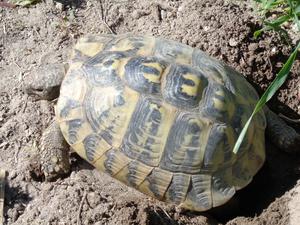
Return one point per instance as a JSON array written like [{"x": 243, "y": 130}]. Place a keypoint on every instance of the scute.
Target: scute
[
  {"x": 183, "y": 86},
  {"x": 186, "y": 143},
  {"x": 134, "y": 173},
  {"x": 133, "y": 45},
  {"x": 146, "y": 135},
  {"x": 161, "y": 117},
  {"x": 91, "y": 145},
  {"x": 101, "y": 70},
  {"x": 178, "y": 188},
  {"x": 173, "y": 51},
  {"x": 143, "y": 74},
  {"x": 156, "y": 183},
  {"x": 199, "y": 193},
  {"x": 221, "y": 186},
  {"x": 218, "y": 149}
]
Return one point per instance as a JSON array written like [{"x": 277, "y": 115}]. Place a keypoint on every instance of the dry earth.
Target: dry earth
[{"x": 43, "y": 33}]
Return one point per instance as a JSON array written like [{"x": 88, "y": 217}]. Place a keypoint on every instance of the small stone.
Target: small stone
[
  {"x": 135, "y": 14},
  {"x": 47, "y": 187},
  {"x": 273, "y": 50},
  {"x": 59, "y": 6},
  {"x": 23, "y": 11},
  {"x": 89, "y": 4},
  {"x": 45, "y": 106},
  {"x": 180, "y": 8},
  {"x": 206, "y": 28},
  {"x": 233, "y": 42},
  {"x": 54, "y": 159},
  {"x": 13, "y": 174},
  {"x": 57, "y": 169},
  {"x": 163, "y": 14},
  {"x": 252, "y": 47}
]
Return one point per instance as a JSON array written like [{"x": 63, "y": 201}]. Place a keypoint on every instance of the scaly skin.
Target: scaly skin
[
  {"x": 54, "y": 154},
  {"x": 282, "y": 135},
  {"x": 44, "y": 82}
]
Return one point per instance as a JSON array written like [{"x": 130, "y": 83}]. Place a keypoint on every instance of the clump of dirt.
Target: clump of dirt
[{"x": 43, "y": 33}]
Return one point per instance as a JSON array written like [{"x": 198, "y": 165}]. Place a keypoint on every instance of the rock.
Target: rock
[{"x": 233, "y": 42}]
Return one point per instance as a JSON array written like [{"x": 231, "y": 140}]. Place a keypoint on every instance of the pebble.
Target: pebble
[
  {"x": 59, "y": 6},
  {"x": 252, "y": 47},
  {"x": 136, "y": 14},
  {"x": 273, "y": 50},
  {"x": 163, "y": 14},
  {"x": 233, "y": 42},
  {"x": 23, "y": 11},
  {"x": 206, "y": 28},
  {"x": 89, "y": 4}
]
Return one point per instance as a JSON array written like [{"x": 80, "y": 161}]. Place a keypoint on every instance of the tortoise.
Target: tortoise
[{"x": 159, "y": 116}]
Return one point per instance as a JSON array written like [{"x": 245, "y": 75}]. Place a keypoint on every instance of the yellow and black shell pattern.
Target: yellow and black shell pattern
[{"x": 161, "y": 117}]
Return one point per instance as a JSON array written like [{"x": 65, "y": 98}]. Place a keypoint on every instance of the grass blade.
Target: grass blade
[
  {"x": 297, "y": 9},
  {"x": 295, "y": 15},
  {"x": 279, "y": 21},
  {"x": 275, "y": 85},
  {"x": 258, "y": 32}
]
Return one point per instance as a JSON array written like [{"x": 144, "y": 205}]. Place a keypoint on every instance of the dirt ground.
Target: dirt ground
[{"x": 44, "y": 32}]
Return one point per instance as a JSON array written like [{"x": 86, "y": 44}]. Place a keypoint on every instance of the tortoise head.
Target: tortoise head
[{"x": 44, "y": 82}]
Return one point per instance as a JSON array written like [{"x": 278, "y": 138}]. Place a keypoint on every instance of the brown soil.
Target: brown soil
[{"x": 43, "y": 32}]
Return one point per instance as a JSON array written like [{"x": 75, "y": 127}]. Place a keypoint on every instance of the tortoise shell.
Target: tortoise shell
[{"x": 161, "y": 117}]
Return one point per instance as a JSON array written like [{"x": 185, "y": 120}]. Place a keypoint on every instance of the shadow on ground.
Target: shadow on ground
[{"x": 278, "y": 175}]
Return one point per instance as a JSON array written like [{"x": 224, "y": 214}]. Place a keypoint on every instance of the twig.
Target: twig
[
  {"x": 108, "y": 27},
  {"x": 7, "y": 5},
  {"x": 169, "y": 217},
  {"x": 20, "y": 76},
  {"x": 159, "y": 216},
  {"x": 16, "y": 157},
  {"x": 38, "y": 34},
  {"x": 3, "y": 144},
  {"x": 103, "y": 17},
  {"x": 4, "y": 29},
  {"x": 171, "y": 220},
  {"x": 2, "y": 193},
  {"x": 22, "y": 73},
  {"x": 25, "y": 104},
  {"x": 270, "y": 63},
  {"x": 80, "y": 208},
  {"x": 35, "y": 186}
]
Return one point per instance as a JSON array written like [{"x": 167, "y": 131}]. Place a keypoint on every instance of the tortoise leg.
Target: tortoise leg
[
  {"x": 53, "y": 152},
  {"x": 44, "y": 82},
  {"x": 282, "y": 135}
]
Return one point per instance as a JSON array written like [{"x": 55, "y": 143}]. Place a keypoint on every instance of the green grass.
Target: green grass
[
  {"x": 286, "y": 11},
  {"x": 268, "y": 94}
]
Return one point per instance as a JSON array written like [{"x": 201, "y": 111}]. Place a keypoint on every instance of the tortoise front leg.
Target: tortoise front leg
[
  {"x": 282, "y": 135},
  {"x": 44, "y": 82},
  {"x": 53, "y": 152}
]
